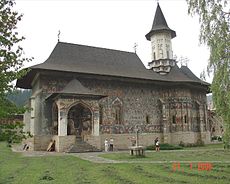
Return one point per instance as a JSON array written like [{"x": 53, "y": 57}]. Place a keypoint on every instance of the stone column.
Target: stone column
[
  {"x": 165, "y": 122},
  {"x": 32, "y": 115},
  {"x": 189, "y": 112},
  {"x": 201, "y": 114},
  {"x": 62, "y": 123},
  {"x": 62, "y": 120},
  {"x": 205, "y": 117},
  {"x": 96, "y": 125}
]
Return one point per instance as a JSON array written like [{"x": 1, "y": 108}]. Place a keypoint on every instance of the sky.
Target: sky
[{"x": 108, "y": 24}]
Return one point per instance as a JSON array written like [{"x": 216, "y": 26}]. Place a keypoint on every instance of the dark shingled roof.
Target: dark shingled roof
[
  {"x": 83, "y": 59},
  {"x": 159, "y": 24},
  {"x": 74, "y": 87}
]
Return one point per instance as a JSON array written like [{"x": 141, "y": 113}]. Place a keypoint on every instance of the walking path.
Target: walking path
[{"x": 95, "y": 156}]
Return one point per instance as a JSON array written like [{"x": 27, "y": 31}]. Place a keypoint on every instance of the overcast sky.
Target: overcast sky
[{"x": 108, "y": 24}]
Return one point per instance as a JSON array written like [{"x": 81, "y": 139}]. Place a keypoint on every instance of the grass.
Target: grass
[
  {"x": 207, "y": 146},
  {"x": 199, "y": 155},
  {"x": 16, "y": 169},
  {"x": 204, "y": 153}
]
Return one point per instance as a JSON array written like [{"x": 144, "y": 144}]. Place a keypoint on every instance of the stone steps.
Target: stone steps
[{"x": 81, "y": 146}]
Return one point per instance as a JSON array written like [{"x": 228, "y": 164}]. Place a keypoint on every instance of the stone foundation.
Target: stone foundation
[
  {"x": 63, "y": 143},
  {"x": 121, "y": 141},
  {"x": 41, "y": 142}
]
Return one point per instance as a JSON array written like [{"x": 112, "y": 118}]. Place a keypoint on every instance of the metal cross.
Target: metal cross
[
  {"x": 135, "y": 47},
  {"x": 59, "y": 32}
]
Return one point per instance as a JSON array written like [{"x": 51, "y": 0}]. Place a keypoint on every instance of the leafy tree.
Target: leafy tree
[
  {"x": 214, "y": 17},
  {"x": 13, "y": 133},
  {"x": 11, "y": 53},
  {"x": 7, "y": 108},
  {"x": 11, "y": 62}
]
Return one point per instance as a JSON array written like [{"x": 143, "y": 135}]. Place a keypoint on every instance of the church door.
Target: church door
[{"x": 79, "y": 121}]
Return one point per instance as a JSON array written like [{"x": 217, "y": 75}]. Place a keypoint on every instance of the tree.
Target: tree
[
  {"x": 8, "y": 108},
  {"x": 11, "y": 53},
  {"x": 11, "y": 62},
  {"x": 214, "y": 17}
]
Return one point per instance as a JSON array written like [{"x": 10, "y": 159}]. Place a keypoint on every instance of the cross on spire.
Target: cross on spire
[
  {"x": 135, "y": 47},
  {"x": 59, "y": 32}
]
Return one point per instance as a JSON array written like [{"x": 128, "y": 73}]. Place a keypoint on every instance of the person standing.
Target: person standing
[
  {"x": 157, "y": 144},
  {"x": 106, "y": 145}
]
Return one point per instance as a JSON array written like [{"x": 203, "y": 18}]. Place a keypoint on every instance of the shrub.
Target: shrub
[
  {"x": 198, "y": 143},
  {"x": 216, "y": 138},
  {"x": 165, "y": 146},
  {"x": 13, "y": 133},
  {"x": 182, "y": 144}
]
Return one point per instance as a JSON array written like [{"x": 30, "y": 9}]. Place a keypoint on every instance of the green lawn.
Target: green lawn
[
  {"x": 207, "y": 153},
  {"x": 15, "y": 168}
]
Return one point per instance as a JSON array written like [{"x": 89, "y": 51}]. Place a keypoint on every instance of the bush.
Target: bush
[
  {"x": 220, "y": 139},
  {"x": 216, "y": 138},
  {"x": 13, "y": 133},
  {"x": 198, "y": 143},
  {"x": 165, "y": 146}
]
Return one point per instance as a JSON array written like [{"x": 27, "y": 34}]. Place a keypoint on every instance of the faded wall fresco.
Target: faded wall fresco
[{"x": 131, "y": 106}]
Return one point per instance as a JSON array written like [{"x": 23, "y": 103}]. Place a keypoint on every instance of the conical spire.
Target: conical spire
[{"x": 159, "y": 24}]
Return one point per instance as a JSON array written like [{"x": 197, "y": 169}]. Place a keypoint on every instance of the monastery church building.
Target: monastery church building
[{"x": 90, "y": 93}]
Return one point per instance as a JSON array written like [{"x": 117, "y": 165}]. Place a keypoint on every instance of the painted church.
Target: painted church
[{"x": 89, "y": 94}]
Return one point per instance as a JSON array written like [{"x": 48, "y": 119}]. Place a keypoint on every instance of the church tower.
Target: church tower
[{"x": 160, "y": 36}]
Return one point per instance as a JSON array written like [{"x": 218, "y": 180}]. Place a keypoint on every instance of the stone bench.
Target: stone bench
[{"x": 136, "y": 150}]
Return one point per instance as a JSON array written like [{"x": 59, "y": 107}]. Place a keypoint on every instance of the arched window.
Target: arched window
[{"x": 117, "y": 111}]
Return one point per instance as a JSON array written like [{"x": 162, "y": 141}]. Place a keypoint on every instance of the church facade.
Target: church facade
[{"x": 95, "y": 93}]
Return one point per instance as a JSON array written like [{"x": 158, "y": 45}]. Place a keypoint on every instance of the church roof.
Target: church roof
[
  {"x": 74, "y": 87},
  {"x": 159, "y": 24},
  {"x": 83, "y": 59}
]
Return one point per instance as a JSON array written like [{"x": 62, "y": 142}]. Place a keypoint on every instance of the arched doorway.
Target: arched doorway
[{"x": 79, "y": 121}]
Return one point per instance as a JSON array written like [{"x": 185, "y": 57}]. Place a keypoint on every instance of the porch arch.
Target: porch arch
[{"x": 79, "y": 120}]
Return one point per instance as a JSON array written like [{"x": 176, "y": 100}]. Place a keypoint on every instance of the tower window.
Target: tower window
[
  {"x": 167, "y": 54},
  {"x": 154, "y": 56},
  {"x": 161, "y": 53}
]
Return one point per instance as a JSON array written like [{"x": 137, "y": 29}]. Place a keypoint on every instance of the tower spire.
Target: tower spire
[
  {"x": 159, "y": 24},
  {"x": 160, "y": 36}
]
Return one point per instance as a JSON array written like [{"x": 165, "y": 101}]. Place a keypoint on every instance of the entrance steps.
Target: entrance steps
[{"x": 81, "y": 146}]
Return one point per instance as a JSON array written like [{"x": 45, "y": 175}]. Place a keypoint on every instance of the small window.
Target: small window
[
  {"x": 167, "y": 54},
  {"x": 147, "y": 119},
  {"x": 101, "y": 114},
  {"x": 185, "y": 119},
  {"x": 174, "y": 119},
  {"x": 154, "y": 56}
]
